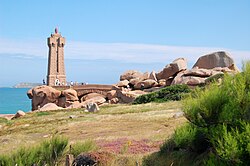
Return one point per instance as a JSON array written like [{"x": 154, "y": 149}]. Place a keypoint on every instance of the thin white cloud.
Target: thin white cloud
[
  {"x": 31, "y": 48},
  {"x": 125, "y": 52}
]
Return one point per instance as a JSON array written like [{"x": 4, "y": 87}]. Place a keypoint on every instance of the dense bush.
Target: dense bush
[
  {"x": 174, "y": 92},
  {"x": 218, "y": 132},
  {"x": 47, "y": 153},
  {"x": 222, "y": 113}
]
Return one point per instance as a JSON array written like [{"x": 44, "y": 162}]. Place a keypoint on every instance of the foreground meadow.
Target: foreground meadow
[{"x": 128, "y": 132}]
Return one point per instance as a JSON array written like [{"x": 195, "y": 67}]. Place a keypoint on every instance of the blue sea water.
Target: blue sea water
[{"x": 14, "y": 99}]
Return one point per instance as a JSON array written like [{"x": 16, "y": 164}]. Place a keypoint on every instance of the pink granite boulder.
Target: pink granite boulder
[
  {"x": 130, "y": 74},
  {"x": 172, "y": 69},
  {"x": 42, "y": 95},
  {"x": 216, "y": 59}
]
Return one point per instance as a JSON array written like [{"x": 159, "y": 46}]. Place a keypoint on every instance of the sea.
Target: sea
[{"x": 14, "y": 99}]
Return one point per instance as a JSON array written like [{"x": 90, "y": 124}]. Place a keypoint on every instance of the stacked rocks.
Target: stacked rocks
[
  {"x": 206, "y": 67},
  {"x": 134, "y": 83}
]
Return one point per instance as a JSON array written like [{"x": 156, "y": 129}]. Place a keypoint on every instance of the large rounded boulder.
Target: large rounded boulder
[
  {"x": 172, "y": 69},
  {"x": 50, "y": 107},
  {"x": 123, "y": 83},
  {"x": 111, "y": 94},
  {"x": 70, "y": 95},
  {"x": 216, "y": 59},
  {"x": 98, "y": 100},
  {"x": 130, "y": 74},
  {"x": 91, "y": 96},
  {"x": 42, "y": 95},
  {"x": 129, "y": 96},
  {"x": 194, "y": 76},
  {"x": 146, "y": 84}
]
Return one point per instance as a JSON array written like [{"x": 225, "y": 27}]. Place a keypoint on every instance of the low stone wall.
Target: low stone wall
[{"x": 85, "y": 89}]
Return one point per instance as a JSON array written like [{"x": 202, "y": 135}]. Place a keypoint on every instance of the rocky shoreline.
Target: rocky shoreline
[{"x": 134, "y": 83}]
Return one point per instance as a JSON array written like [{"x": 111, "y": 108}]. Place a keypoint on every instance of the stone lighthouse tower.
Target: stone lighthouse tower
[{"x": 56, "y": 71}]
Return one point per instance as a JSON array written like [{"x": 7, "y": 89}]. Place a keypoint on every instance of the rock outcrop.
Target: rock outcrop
[
  {"x": 114, "y": 100},
  {"x": 207, "y": 67},
  {"x": 42, "y": 95},
  {"x": 188, "y": 80},
  {"x": 123, "y": 83},
  {"x": 146, "y": 84},
  {"x": 70, "y": 95},
  {"x": 129, "y": 96},
  {"x": 90, "y": 96},
  {"x": 45, "y": 98},
  {"x": 152, "y": 76},
  {"x": 76, "y": 104},
  {"x": 172, "y": 69},
  {"x": 72, "y": 104},
  {"x": 134, "y": 83},
  {"x": 111, "y": 94},
  {"x": 98, "y": 100},
  {"x": 50, "y": 107},
  {"x": 130, "y": 74},
  {"x": 194, "y": 76},
  {"x": 216, "y": 59}
]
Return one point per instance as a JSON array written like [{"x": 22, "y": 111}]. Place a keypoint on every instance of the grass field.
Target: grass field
[{"x": 128, "y": 131}]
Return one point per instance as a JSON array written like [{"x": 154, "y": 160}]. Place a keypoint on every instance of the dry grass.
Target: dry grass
[{"x": 153, "y": 122}]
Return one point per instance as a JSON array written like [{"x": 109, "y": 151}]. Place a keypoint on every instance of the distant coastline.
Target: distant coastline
[{"x": 26, "y": 85}]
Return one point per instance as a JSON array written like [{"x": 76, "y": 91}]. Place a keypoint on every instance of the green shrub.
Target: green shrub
[
  {"x": 222, "y": 114},
  {"x": 174, "y": 92},
  {"x": 211, "y": 160},
  {"x": 187, "y": 137},
  {"x": 52, "y": 149},
  {"x": 81, "y": 147},
  {"x": 191, "y": 138},
  {"x": 218, "y": 132},
  {"x": 48, "y": 152},
  {"x": 167, "y": 147},
  {"x": 5, "y": 160},
  {"x": 233, "y": 144}
]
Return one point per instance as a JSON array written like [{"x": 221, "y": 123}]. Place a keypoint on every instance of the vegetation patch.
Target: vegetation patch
[
  {"x": 125, "y": 146},
  {"x": 218, "y": 132},
  {"x": 3, "y": 120},
  {"x": 170, "y": 93},
  {"x": 105, "y": 129},
  {"x": 82, "y": 147},
  {"x": 47, "y": 153}
]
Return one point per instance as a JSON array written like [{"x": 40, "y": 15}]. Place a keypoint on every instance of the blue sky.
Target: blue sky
[{"x": 105, "y": 38}]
